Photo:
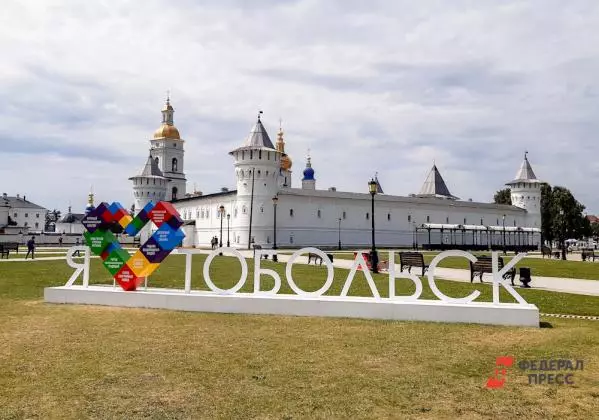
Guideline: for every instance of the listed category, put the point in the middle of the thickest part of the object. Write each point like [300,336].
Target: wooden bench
[412,259]
[485,265]
[587,254]
[6,247]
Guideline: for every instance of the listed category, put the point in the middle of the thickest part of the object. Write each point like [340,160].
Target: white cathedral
[307,216]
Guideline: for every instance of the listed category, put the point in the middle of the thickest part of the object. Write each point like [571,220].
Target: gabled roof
[434,186]
[19,202]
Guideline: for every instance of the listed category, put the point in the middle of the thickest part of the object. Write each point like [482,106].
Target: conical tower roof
[434,186]
[150,169]
[525,173]
[258,138]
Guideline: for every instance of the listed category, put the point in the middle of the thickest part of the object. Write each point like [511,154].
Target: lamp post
[339,230]
[503,219]
[222,213]
[562,233]
[374,258]
[275,200]
[228,221]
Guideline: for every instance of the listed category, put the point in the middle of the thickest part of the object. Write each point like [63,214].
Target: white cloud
[367,86]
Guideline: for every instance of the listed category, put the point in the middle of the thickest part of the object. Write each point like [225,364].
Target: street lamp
[228,220]
[503,219]
[275,200]
[222,213]
[339,230]
[562,237]
[374,258]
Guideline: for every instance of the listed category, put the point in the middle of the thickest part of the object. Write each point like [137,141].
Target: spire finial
[168,96]
[259,114]
[280,124]
[525,154]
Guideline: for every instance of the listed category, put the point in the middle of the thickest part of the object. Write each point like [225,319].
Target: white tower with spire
[257,167]
[526,192]
[167,149]
[149,185]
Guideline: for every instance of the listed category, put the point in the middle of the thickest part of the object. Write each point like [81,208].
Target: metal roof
[150,169]
[434,186]
[525,173]
[20,202]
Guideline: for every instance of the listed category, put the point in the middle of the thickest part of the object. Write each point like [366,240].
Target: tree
[546,213]
[568,218]
[503,196]
[51,218]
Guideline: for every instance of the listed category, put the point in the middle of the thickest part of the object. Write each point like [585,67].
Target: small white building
[23,215]
[308,216]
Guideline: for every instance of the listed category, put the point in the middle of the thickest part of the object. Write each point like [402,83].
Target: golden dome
[167,131]
[285,162]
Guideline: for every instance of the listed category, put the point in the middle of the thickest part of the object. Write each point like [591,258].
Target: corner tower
[167,149]
[526,192]
[257,167]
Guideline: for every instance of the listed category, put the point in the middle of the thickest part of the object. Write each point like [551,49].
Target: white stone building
[29,217]
[308,216]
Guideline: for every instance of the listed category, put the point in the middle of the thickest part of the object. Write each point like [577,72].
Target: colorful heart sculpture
[129,271]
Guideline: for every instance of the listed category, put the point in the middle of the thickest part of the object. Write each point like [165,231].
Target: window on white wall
[481,222]
[290,212]
[319,214]
[388,216]
[261,209]
[428,219]
[465,220]
[447,219]
[409,217]
[367,216]
[344,215]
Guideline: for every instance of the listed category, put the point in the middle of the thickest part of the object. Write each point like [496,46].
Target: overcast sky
[367,86]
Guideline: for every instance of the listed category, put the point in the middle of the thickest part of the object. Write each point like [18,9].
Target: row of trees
[562,216]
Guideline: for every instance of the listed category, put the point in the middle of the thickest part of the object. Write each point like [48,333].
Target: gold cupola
[286,162]
[167,129]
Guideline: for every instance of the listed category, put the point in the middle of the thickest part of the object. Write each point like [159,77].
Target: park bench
[485,265]
[6,247]
[412,259]
[587,254]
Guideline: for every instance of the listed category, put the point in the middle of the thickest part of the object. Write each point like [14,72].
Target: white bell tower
[167,149]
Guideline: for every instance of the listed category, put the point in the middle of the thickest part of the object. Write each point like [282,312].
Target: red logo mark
[497,381]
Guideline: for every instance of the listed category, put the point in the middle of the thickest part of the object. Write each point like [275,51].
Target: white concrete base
[329,306]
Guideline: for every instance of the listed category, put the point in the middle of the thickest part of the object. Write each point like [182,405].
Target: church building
[308,216]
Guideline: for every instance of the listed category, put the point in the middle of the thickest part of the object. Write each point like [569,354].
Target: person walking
[31,248]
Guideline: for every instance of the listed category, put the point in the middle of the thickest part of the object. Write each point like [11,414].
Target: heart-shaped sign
[129,271]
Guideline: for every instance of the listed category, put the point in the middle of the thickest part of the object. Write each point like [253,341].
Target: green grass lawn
[77,361]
